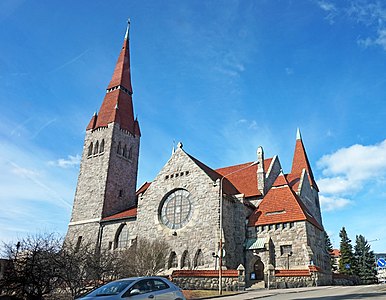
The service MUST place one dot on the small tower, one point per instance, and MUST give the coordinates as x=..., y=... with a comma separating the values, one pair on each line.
x=260, y=171
x=108, y=170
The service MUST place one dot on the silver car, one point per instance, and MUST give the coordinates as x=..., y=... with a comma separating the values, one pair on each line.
x=135, y=288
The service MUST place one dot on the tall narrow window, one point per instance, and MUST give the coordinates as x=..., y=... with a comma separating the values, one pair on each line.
x=119, y=150
x=173, y=263
x=124, y=151
x=130, y=155
x=185, y=261
x=102, y=147
x=198, y=259
x=122, y=237
x=96, y=149
x=90, y=149
x=78, y=243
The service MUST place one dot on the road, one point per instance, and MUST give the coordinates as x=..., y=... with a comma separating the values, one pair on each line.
x=373, y=292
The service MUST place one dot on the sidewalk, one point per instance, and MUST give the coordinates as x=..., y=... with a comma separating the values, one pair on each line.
x=262, y=293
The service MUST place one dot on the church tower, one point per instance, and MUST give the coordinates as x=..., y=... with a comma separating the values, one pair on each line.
x=108, y=170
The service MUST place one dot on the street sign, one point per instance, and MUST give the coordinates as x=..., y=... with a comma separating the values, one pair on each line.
x=347, y=266
x=381, y=262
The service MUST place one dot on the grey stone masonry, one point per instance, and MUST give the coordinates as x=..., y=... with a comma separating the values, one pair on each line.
x=107, y=179
x=310, y=197
x=200, y=233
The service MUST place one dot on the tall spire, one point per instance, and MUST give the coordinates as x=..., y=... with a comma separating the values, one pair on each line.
x=300, y=161
x=119, y=94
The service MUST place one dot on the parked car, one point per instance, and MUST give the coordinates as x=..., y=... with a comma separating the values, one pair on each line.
x=136, y=288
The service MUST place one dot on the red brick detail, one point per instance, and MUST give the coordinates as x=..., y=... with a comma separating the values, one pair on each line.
x=204, y=273
x=292, y=273
x=132, y=212
x=244, y=181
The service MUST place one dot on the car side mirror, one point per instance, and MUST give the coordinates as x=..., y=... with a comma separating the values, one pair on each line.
x=135, y=292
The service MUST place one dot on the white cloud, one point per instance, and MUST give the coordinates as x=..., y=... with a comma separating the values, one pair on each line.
x=71, y=161
x=370, y=14
x=349, y=170
x=330, y=9
x=333, y=203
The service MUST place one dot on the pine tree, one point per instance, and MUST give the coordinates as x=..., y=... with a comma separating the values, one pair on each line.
x=365, y=259
x=329, y=249
x=347, y=263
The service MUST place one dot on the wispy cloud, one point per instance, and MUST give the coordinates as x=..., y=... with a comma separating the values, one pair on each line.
x=348, y=171
x=330, y=9
x=69, y=62
x=68, y=162
x=370, y=14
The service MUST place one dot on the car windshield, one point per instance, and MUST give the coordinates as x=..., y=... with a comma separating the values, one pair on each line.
x=112, y=288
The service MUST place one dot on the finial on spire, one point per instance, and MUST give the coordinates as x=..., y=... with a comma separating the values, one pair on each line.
x=127, y=29
x=298, y=135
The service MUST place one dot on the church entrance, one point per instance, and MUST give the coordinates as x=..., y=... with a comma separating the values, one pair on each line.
x=258, y=269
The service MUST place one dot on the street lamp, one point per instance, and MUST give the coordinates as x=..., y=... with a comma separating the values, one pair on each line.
x=220, y=254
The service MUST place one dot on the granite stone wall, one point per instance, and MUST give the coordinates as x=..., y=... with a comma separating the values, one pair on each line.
x=201, y=233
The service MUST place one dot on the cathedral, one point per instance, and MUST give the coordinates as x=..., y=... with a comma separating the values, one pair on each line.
x=266, y=221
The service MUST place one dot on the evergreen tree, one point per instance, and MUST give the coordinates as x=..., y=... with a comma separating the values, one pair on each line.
x=347, y=263
x=329, y=249
x=365, y=259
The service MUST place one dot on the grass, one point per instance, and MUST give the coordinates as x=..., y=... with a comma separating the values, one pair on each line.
x=199, y=294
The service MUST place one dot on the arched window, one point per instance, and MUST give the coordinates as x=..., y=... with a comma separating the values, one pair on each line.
x=96, y=149
x=173, y=263
x=130, y=155
x=122, y=237
x=198, y=259
x=124, y=151
x=119, y=150
x=90, y=149
x=102, y=147
x=185, y=261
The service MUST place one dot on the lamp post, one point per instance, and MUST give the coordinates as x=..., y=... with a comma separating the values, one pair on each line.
x=220, y=254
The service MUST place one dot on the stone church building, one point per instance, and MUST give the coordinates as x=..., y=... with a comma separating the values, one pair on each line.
x=269, y=222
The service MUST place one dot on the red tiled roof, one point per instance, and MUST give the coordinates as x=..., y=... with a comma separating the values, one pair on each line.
x=244, y=181
x=292, y=273
x=143, y=188
x=204, y=273
x=300, y=162
x=281, y=205
x=117, y=105
x=121, y=75
x=132, y=212
x=335, y=253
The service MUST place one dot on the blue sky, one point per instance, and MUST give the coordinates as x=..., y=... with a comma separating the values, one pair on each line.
x=223, y=77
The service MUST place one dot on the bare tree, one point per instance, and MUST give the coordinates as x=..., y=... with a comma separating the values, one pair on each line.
x=82, y=268
x=31, y=273
x=144, y=258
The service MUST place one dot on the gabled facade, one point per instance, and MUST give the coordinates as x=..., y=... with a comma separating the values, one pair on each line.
x=271, y=221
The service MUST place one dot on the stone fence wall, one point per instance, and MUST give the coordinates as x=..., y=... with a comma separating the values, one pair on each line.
x=232, y=280
x=340, y=279
x=299, y=278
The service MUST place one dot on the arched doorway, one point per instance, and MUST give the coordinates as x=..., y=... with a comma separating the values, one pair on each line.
x=258, y=269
